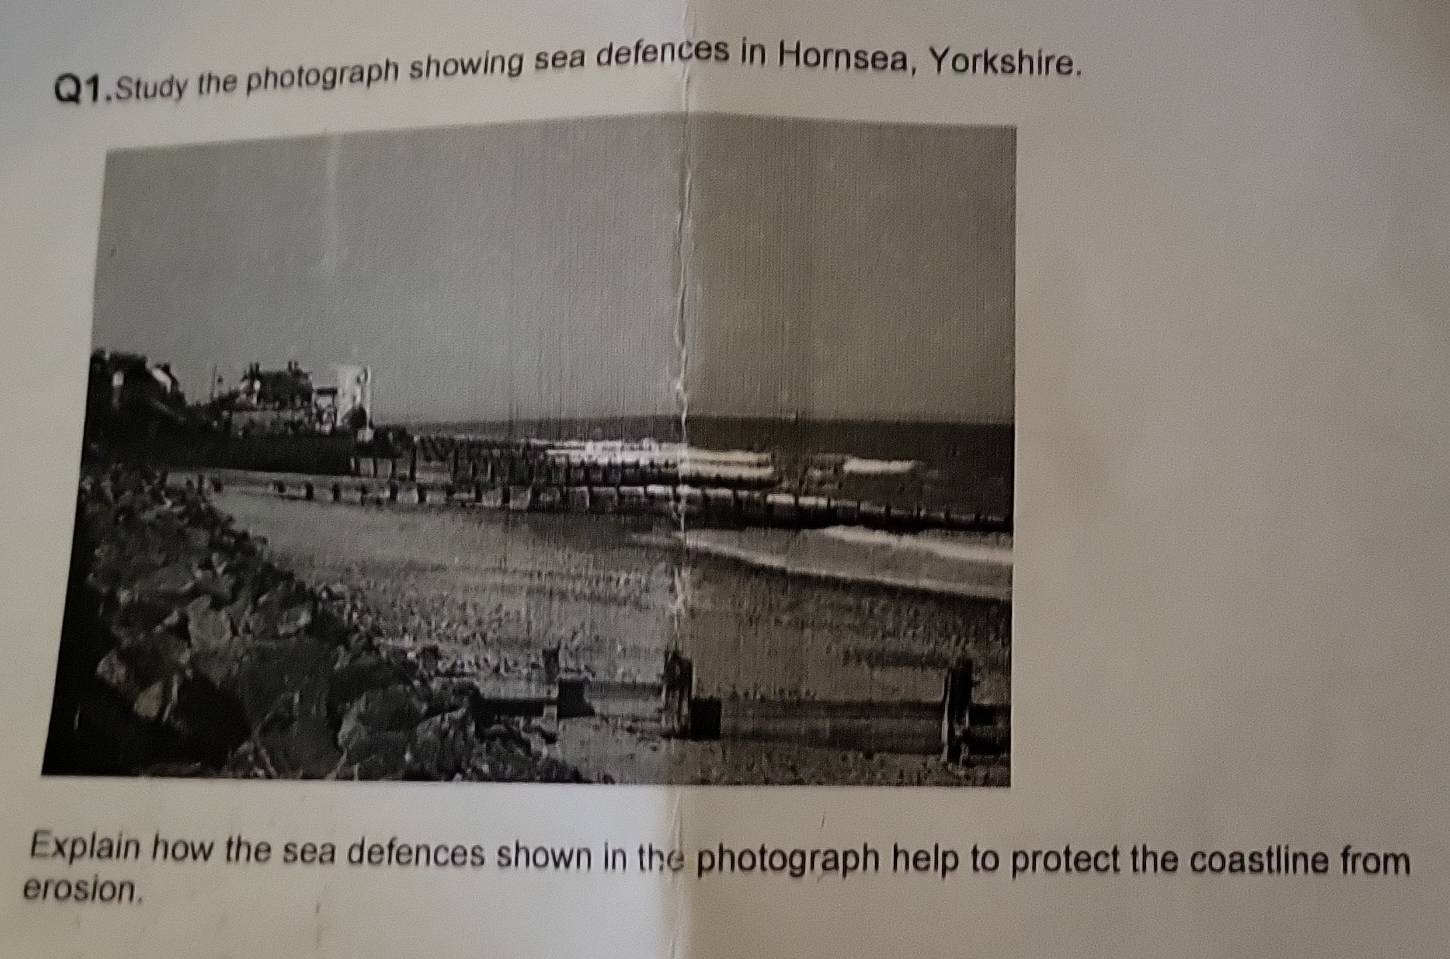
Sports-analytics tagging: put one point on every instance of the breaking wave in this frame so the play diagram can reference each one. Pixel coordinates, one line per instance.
(975, 569)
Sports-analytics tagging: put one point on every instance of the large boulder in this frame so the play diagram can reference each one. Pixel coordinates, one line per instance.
(396, 708)
(153, 655)
(357, 673)
(293, 675)
(114, 673)
(442, 746)
(284, 611)
(374, 755)
(304, 748)
(169, 584)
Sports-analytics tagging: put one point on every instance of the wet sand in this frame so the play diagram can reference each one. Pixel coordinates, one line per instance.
(492, 590)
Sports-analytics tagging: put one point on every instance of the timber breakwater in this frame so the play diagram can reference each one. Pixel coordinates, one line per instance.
(184, 651)
(732, 488)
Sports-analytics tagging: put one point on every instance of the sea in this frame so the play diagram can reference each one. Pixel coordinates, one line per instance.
(966, 467)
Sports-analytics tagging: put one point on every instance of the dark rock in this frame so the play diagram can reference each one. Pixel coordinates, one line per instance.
(115, 739)
(284, 611)
(180, 719)
(328, 627)
(303, 749)
(220, 665)
(389, 709)
(351, 732)
(378, 756)
(443, 697)
(208, 629)
(210, 722)
(428, 657)
(169, 583)
(543, 733)
(219, 588)
(154, 655)
(357, 673)
(155, 701)
(270, 676)
(136, 612)
(113, 671)
(442, 746)
(197, 540)
(506, 734)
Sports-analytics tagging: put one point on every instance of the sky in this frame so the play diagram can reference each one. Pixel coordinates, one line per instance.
(571, 268)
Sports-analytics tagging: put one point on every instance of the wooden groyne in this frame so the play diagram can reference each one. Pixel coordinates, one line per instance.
(720, 506)
(952, 727)
(526, 475)
(529, 462)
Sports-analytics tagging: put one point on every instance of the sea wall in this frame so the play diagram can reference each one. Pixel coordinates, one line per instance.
(185, 651)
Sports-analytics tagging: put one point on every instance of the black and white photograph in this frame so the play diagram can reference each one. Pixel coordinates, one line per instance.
(661, 449)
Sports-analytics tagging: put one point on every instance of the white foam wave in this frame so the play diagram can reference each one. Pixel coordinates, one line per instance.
(978, 576)
(691, 461)
(861, 466)
(969, 550)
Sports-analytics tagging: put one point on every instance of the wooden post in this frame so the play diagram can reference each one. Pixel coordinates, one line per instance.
(956, 711)
(572, 698)
(679, 686)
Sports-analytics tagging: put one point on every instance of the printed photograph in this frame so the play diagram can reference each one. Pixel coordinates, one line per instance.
(669, 449)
